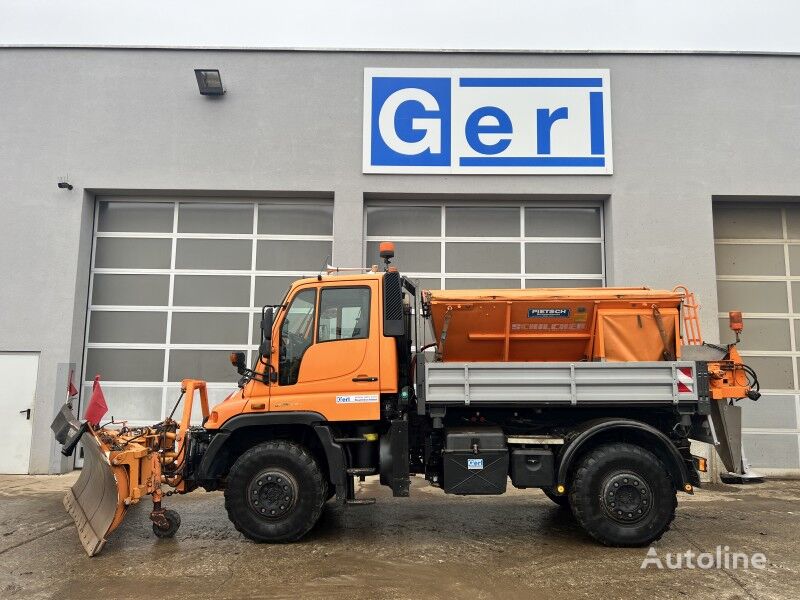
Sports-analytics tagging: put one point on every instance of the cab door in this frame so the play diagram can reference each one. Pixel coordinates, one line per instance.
(333, 370)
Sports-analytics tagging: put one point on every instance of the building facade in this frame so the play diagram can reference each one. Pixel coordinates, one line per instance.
(188, 212)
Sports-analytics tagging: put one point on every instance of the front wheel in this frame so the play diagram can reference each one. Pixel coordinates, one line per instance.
(622, 495)
(275, 492)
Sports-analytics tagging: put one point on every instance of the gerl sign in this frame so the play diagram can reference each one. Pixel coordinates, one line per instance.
(468, 121)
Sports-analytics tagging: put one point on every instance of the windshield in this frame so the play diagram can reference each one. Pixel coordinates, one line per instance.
(297, 334)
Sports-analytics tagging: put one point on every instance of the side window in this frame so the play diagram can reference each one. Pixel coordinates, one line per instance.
(297, 334)
(343, 314)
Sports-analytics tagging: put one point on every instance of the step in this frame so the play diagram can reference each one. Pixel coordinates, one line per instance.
(362, 471)
(359, 502)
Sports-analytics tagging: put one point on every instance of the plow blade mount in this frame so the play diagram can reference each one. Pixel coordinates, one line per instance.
(95, 501)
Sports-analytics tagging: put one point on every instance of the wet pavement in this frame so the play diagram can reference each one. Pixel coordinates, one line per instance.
(519, 545)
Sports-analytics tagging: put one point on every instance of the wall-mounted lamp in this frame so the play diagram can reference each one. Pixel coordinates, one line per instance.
(209, 82)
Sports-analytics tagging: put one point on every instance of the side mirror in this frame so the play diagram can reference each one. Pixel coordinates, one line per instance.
(267, 318)
(238, 361)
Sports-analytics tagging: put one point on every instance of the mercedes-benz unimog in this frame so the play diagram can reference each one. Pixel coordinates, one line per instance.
(591, 395)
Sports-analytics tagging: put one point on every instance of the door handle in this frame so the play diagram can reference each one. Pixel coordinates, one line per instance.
(27, 412)
(364, 378)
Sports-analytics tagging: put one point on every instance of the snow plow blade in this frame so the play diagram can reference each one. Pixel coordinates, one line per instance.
(123, 465)
(95, 501)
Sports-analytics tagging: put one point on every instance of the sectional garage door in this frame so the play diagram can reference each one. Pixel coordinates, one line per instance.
(178, 284)
(497, 245)
(758, 272)
(457, 245)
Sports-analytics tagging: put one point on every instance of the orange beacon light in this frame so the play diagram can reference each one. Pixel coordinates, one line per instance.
(735, 322)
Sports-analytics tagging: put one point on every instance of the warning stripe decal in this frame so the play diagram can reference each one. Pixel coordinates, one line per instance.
(685, 380)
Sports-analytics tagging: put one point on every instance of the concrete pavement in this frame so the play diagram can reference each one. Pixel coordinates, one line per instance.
(519, 545)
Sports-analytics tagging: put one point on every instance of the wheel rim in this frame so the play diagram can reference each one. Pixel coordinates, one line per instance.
(272, 493)
(626, 497)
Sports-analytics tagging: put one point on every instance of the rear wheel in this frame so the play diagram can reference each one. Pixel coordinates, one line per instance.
(275, 492)
(622, 495)
(562, 501)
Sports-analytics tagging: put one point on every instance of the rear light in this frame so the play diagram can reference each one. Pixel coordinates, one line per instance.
(685, 380)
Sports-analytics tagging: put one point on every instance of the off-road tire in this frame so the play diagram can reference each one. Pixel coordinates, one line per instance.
(298, 473)
(592, 492)
(330, 492)
(562, 500)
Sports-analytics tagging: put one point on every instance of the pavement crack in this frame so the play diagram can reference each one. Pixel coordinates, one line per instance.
(727, 572)
(36, 537)
(224, 584)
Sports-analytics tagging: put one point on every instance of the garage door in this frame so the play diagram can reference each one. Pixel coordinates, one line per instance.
(177, 285)
(457, 246)
(758, 272)
(468, 246)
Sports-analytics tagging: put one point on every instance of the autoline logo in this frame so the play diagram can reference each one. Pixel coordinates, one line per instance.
(487, 121)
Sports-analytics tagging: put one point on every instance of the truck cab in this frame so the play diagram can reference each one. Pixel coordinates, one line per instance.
(326, 352)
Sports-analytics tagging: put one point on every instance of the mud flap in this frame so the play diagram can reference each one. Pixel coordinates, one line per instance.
(94, 501)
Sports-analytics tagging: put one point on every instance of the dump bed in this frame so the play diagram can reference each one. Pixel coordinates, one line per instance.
(555, 324)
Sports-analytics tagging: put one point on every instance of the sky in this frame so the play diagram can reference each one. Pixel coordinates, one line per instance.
(555, 25)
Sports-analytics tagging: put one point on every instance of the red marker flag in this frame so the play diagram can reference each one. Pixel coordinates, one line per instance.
(71, 389)
(97, 404)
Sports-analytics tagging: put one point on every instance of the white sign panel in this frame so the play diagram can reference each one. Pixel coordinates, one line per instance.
(498, 121)
(357, 399)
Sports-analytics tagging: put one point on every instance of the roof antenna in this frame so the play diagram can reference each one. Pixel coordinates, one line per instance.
(386, 250)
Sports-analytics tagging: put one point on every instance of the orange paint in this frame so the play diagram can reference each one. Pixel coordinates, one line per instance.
(339, 379)
(554, 324)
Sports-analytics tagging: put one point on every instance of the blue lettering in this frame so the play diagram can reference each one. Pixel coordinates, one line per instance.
(474, 129)
(596, 122)
(544, 121)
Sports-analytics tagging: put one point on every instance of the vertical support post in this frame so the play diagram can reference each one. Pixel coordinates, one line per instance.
(573, 385)
(466, 384)
(348, 228)
(507, 340)
(189, 386)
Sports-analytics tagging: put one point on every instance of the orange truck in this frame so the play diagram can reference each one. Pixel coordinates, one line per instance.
(591, 395)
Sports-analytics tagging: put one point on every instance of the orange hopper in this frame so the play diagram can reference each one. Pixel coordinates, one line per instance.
(555, 324)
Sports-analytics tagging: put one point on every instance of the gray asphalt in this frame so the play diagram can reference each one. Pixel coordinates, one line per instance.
(519, 545)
